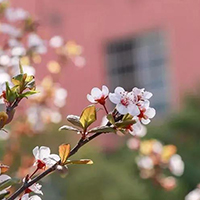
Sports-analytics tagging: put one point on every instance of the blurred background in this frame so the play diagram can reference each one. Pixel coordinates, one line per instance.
(148, 44)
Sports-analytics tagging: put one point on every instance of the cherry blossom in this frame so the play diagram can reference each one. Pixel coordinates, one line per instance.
(98, 96)
(145, 162)
(193, 195)
(43, 158)
(124, 102)
(34, 41)
(34, 197)
(141, 94)
(135, 103)
(16, 14)
(36, 188)
(56, 41)
(138, 129)
(176, 165)
(10, 30)
(146, 113)
(4, 60)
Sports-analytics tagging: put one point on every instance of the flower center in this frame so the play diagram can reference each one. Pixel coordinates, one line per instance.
(40, 164)
(101, 100)
(125, 101)
(142, 115)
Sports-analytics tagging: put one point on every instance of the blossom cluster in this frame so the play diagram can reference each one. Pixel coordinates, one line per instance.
(136, 103)
(22, 41)
(154, 158)
(44, 107)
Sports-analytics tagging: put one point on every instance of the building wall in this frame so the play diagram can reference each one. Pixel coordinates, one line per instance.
(94, 23)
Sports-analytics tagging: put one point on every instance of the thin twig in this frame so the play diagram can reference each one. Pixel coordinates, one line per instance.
(51, 169)
(81, 143)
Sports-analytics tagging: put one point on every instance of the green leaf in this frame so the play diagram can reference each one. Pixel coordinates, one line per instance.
(10, 95)
(74, 119)
(29, 78)
(88, 116)
(2, 196)
(21, 68)
(3, 119)
(29, 93)
(8, 183)
(18, 79)
(68, 128)
(31, 85)
(124, 124)
(81, 161)
(102, 129)
(111, 119)
(127, 117)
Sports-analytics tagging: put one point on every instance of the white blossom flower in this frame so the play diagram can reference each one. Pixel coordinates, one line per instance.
(193, 195)
(176, 165)
(1, 1)
(10, 30)
(141, 94)
(15, 62)
(145, 162)
(34, 41)
(141, 97)
(124, 102)
(34, 197)
(56, 117)
(43, 157)
(14, 15)
(60, 97)
(4, 60)
(133, 143)
(56, 41)
(157, 147)
(36, 188)
(138, 129)
(80, 61)
(12, 42)
(18, 51)
(4, 77)
(97, 95)
(146, 113)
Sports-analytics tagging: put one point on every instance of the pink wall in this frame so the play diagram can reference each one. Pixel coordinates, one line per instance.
(92, 23)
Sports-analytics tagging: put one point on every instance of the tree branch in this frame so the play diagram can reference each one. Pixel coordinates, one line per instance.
(53, 168)
(81, 143)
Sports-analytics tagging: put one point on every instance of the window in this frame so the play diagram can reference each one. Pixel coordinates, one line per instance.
(140, 62)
